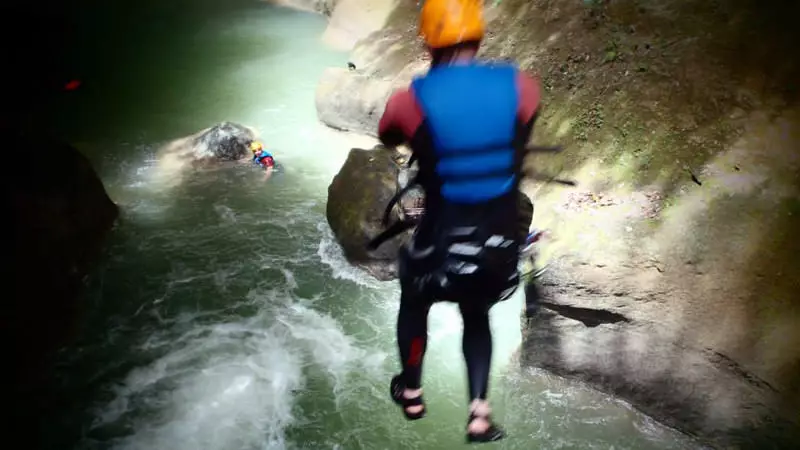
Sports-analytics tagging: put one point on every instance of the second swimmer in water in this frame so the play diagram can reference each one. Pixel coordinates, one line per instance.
(262, 157)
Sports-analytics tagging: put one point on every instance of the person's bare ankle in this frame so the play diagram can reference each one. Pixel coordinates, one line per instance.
(481, 409)
(413, 393)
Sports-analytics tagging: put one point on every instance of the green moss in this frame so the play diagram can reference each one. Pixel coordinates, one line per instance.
(357, 196)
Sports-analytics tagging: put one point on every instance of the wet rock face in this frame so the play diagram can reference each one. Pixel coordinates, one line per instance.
(59, 214)
(357, 198)
(602, 325)
(226, 141)
(349, 101)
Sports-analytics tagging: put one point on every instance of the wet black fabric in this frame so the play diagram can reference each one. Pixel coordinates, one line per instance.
(462, 253)
(412, 324)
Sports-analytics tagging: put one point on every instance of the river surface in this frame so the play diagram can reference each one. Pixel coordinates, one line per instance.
(223, 315)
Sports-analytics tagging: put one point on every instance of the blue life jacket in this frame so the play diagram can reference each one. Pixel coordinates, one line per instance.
(261, 155)
(471, 113)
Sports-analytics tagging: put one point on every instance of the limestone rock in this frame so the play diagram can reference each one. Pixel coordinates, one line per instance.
(351, 101)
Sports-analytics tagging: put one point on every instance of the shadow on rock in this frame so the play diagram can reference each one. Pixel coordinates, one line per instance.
(59, 214)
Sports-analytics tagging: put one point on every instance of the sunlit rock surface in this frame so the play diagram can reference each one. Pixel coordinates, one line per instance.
(226, 141)
(353, 20)
(349, 101)
(349, 20)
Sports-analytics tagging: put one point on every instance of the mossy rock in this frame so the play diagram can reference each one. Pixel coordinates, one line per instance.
(357, 198)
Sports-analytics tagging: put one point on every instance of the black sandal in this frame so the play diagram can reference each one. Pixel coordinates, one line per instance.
(492, 433)
(396, 389)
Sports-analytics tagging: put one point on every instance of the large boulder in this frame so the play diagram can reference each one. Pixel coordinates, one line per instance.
(59, 214)
(357, 198)
(226, 141)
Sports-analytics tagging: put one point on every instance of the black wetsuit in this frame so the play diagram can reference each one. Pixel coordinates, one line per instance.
(468, 126)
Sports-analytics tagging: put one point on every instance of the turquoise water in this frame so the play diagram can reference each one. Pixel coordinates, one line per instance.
(223, 315)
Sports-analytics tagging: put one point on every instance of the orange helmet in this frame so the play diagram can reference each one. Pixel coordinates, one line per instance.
(443, 23)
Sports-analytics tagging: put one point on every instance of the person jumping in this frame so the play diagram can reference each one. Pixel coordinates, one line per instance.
(467, 122)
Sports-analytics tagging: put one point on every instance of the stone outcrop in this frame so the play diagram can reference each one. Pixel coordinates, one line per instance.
(357, 199)
(353, 20)
(222, 143)
(226, 141)
(58, 214)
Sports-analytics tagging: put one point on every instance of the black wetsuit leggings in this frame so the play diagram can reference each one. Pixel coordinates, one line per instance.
(412, 338)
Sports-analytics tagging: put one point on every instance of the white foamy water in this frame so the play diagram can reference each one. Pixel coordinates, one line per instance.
(228, 384)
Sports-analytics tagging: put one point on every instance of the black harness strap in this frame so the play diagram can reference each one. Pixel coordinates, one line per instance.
(400, 226)
(404, 224)
(394, 230)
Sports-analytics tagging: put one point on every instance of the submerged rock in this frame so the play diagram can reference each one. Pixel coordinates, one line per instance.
(357, 198)
(59, 214)
(226, 141)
